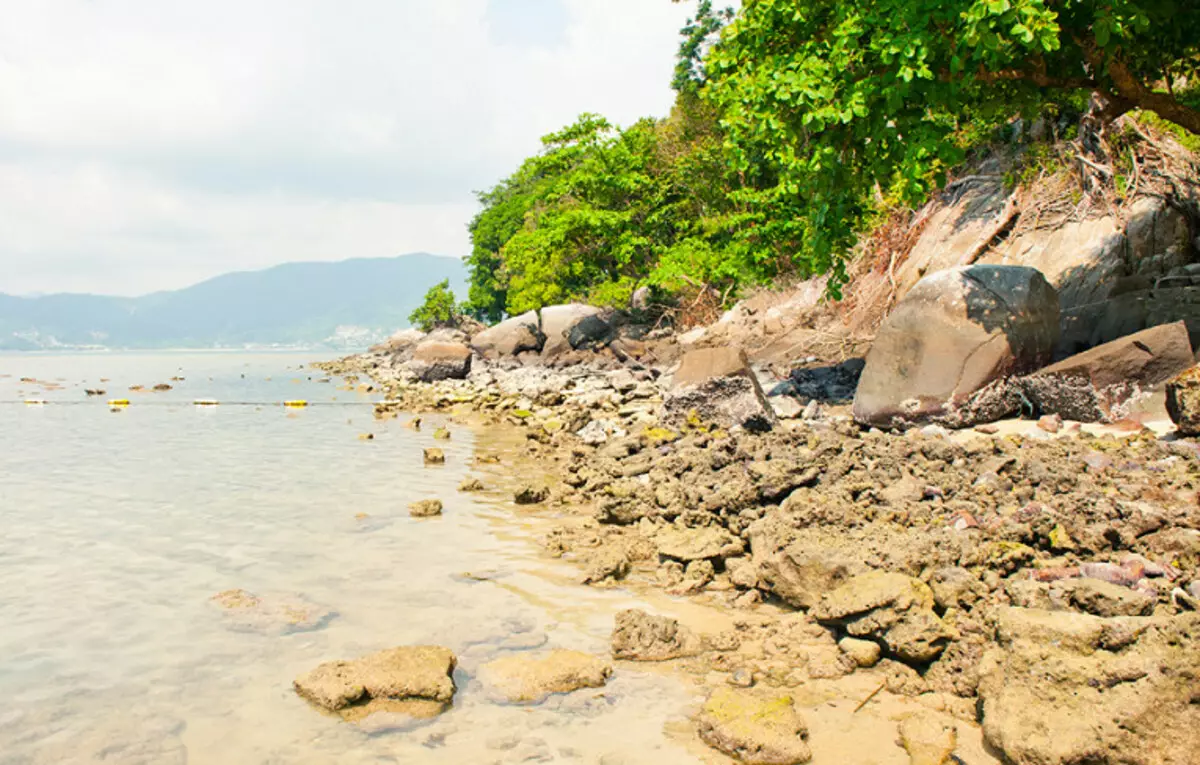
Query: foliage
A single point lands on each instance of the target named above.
(438, 310)
(797, 125)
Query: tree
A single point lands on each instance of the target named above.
(438, 310)
(845, 99)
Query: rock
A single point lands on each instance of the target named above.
(433, 361)
(403, 342)
(1104, 383)
(1064, 688)
(751, 727)
(531, 494)
(425, 508)
(865, 653)
(717, 386)
(894, 608)
(1096, 596)
(510, 337)
(928, 739)
(1050, 423)
(690, 544)
(1183, 401)
(441, 434)
(572, 327)
(270, 614)
(786, 407)
(800, 571)
(471, 485)
(410, 673)
(606, 563)
(812, 410)
(434, 456)
(944, 352)
(742, 572)
(639, 636)
(522, 679)
(640, 300)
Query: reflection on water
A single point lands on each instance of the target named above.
(118, 528)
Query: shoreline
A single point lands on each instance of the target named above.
(1095, 525)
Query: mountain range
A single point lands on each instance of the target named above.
(347, 305)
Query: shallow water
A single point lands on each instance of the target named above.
(118, 528)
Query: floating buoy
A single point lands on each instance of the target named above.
(119, 402)
(35, 402)
(296, 404)
(206, 402)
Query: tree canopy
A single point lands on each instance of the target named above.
(795, 123)
(438, 309)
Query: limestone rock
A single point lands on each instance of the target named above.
(397, 674)
(1102, 384)
(928, 739)
(522, 679)
(1096, 596)
(800, 571)
(606, 563)
(572, 326)
(865, 653)
(944, 352)
(531, 494)
(752, 727)
(471, 485)
(510, 337)
(425, 508)
(890, 607)
(639, 636)
(270, 614)
(1183, 401)
(433, 361)
(717, 386)
(434, 456)
(690, 544)
(1064, 688)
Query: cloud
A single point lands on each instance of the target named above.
(144, 146)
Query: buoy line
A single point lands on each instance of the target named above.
(123, 403)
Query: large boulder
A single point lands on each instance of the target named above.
(433, 361)
(524, 679)
(421, 674)
(510, 337)
(572, 326)
(893, 608)
(944, 353)
(1183, 401)
(754, 727)
(717, 386)
(401, 343)
(1064, 688)
(1104, 383)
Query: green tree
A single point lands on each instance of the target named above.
(846, 100)
(438, 310)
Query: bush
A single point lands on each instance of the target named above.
(438, 310)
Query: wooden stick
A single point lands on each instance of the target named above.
(874, 693)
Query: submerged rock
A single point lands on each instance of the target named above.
(639, 636)
(425, 508)
(409, 673)
(270, 614)
(944, 352)
(752, 727)
(524, 679)
(471, 485)
(434, 456)
(531, 494)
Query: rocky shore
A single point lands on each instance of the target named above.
(1039, 578)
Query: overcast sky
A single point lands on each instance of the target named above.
(149, 144)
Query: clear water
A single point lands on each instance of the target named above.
(116, 528)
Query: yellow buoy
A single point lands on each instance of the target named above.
(206, 402)
(119, 402)
(296, 404)
(35, 401)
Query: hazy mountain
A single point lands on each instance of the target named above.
(348, 304)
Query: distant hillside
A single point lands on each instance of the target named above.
(349, 304)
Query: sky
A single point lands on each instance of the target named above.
(150, 145)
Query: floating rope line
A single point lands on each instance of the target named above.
(202, 403)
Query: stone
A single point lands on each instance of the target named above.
(471, 485)
(559, 325)
(407, 673)
(270, 614)
(425, 508)
(402, 342)
(433, 361)
(786, 407)
(523, 679)
(531, 494)
(1105, 383)
(640, 299)
(753, 727)
(1183, 401)
(893, 608)
(691, 544)
(1050, 423)
(800, 571)
(606, 563)
(865, 653)
(1096, 596)
(717, 386)
(434, 456)
(510, 337)
(928, 739)
(1063, 688)
(639, 636)
(945, 351)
